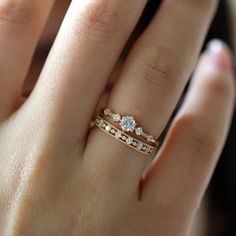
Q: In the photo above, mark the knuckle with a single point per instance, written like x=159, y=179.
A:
x=17, y=12
x=160, y=73
x=202, y=141
x=97, y=18
x=221, y=87
x=203, y=144
x=206, y=4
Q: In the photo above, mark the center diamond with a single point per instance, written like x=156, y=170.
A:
x=128, y=123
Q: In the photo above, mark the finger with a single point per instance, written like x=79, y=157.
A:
x=179, y=176
x=21, y=22
x=157, y=70
x=86, y=50
x=161, y=62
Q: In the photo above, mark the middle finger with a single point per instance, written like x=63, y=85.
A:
x=86, y=49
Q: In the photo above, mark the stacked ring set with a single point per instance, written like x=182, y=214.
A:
x=126, y=130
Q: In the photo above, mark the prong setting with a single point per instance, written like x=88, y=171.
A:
x=128, y=124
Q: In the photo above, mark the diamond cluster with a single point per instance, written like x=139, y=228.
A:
x=128, y=124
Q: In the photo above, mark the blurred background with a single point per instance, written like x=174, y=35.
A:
x=221, y=198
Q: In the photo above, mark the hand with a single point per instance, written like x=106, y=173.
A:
x=57, y=177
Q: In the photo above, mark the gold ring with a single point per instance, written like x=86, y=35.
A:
x=128, y=124
x=123, y=137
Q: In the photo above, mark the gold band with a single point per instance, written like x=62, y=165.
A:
x=121, y=136
x=128, y=124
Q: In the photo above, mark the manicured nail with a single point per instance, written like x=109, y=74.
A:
x=215, y=46
x=221, y=54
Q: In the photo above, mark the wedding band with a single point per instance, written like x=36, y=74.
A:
x=128, y=124
x=123, y=137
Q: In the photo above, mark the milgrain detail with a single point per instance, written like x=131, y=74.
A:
x=123, y=137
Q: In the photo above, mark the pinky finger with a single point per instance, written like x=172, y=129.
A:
x=181, y=172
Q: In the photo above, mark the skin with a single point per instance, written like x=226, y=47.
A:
x=57, y=176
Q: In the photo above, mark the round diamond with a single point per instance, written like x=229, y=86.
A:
x=128, y=123
x=139, y=131
x=108, y=128
x=140, y=146
x=101, y=123
x=129, y=140
x=116, y=117
x=118, y=135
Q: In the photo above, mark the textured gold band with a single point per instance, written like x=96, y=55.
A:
x=123, y=137
x=128, y=124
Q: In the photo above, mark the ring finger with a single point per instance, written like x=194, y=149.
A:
x=155, y=74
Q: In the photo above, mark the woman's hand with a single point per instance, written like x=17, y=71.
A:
x=57, y=177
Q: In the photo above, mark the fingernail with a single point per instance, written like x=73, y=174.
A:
x=215, y=46
x=221, y=54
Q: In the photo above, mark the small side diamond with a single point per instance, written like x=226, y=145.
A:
x=107, y=112
x=101, y=123
x=129, y=140
x=113, y=131
x=150, y=138
x=135, y=144
x=118, y=135
x=97, y=121
x=144, y=148
x=139, y=131
x=116, y=117
x=140, y=146
x=148, y=150
x=108, y=128
x=124, y=138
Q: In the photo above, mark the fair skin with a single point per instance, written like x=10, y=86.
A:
x=58, y=177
